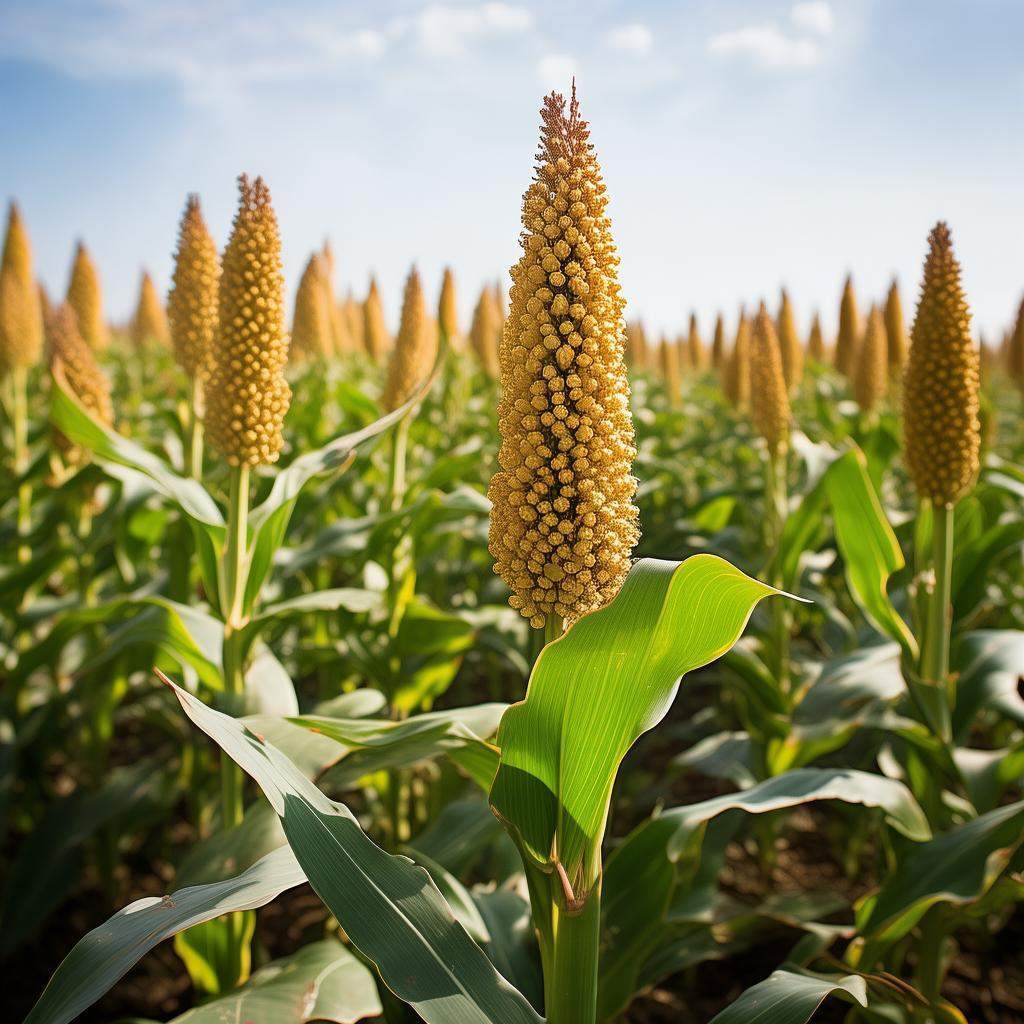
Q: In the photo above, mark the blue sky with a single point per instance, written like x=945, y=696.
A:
x=745, y=144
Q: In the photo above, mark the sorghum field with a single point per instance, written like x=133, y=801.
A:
x=525, y=669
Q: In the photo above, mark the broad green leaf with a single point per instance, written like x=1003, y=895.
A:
x=958, y=866
x=389, y=908
x=595, y=690
x=786, y=997
x=974, y=559
x=871, y=553
x=512, y=945
x=321, y=982
x=107, y=445
x=991, y=661
x=108, y=952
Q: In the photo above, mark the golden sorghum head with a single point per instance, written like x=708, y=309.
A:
x=485, y=331
x=312, y=337
x=376, y=339
x=669, y=362
x=789, y=344
x=352, y=314
x=1015, y=350
x=769, y=402
x=849, y=330
x=718, y=344
x=563, y=522
x=21, y=322
x=816, y=342
x=895, y=332
x=193, y=299
x=871, y=375
x=447, y=307
x=73, y=361
x=695, y=345
x=415, y=347
x=86, y=300
x=248, y=397
x=941, y=430
x=341, y=340
x=150, y=322
x=736, y=369
x=638, y=350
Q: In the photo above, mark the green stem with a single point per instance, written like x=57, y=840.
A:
x=570, y=984
x=399, y=559
x=935, y=656
x=931, y=961
x=776, y=502
x=194, y=433
x=19, y=383
x=554, y=626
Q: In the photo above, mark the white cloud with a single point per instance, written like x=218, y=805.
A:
x=446, y=31
x=767, y=46
x=813, y=16
x=636, y=39
x=556, y=71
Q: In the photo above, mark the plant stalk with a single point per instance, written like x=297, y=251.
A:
x=776, y=502
x=19, y=384
x=570, y=979
x=399, y=562
x=935, y=656
x=194, y=433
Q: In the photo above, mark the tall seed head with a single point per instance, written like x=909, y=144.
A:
x=149, y=325
x=789, y=344
x=248, y=397
x=376, y=339
x=74, y=362
x=736, y=371
x=447, y=307
x=769, y=401
x=895, y=332
x=352, y=312
x=21, y=322
x=341, y=340
x=1015, y=350
x=816, y=342
x=86, y=300
x=638, y=349
x=695, y=346
x=485, y=331
x=563, y=522
x=312, y=337
x=718, y=344
x=849, y=331
x=669, y=360
x=415, y=348
x=941, y=428
x=192, y=304
x=871, y=375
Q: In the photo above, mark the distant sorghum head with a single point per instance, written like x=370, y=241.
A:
x=149, y=325
x=669, y=363
x=447, y=308
x=312, y=334
x=415, y=347
x=695, y=346
x=485, y=331
x=736, y=369
x=341, y=339
x=871, y=374
x=769, y=401
x=192, y=303
x=563, y=522
x=718, y=344
x=21, y=322
x=86, y=300
x=376, y=339
x=638, y=350
x=849, y=331
x=816, y=342
x=941, y=428
x=73, y=362
x=789, y=344
x=248, y=397
x=352, y=313
x=1015, y=350
x=895, y=332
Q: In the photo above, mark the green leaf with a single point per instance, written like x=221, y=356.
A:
x=991, y=661
x=218, y=954
x=107, y=445
x=389, y=908
x=595, y=690
x=789, y=998
x=321, y=982
x=974, y=559
x=108, y=952
x=958, y=866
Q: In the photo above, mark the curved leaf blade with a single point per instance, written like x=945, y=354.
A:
x=785, y=997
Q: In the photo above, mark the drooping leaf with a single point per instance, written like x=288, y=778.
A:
x=389, y=908
x=786, y=997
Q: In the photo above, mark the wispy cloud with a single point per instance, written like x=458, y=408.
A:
x=556, y=70
x=775, y=47
x=636, y=39
x=448, y=31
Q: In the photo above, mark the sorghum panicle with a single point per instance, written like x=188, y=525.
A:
x=789, y=344
x=769, y=400
x=86, y=300
x=149, y=324
x=871, y=374
x=376, y=339
x=485, y=331
x=21, y=321
x=415, y=347
x=895, y=332
x=312, y=334
x=849, y=331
